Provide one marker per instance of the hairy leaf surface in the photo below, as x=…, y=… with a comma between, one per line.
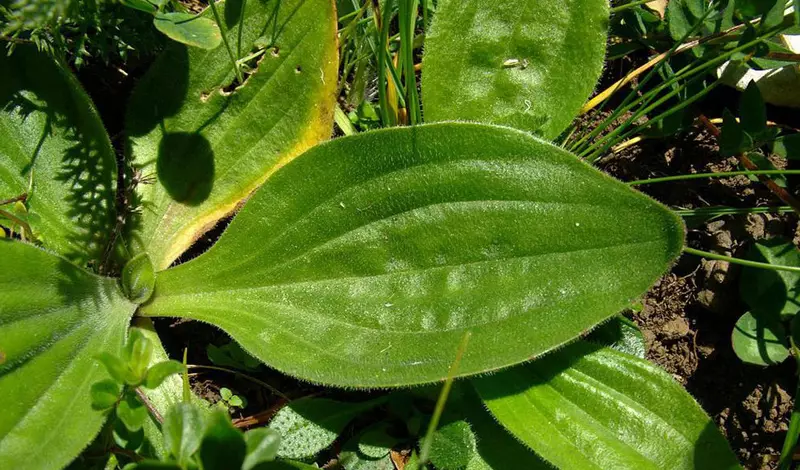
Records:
x=207, y=144
x=364, y=262
x=497, y=449
x=597, y=408
x=53, y=147
x=528, y=64
x=54, y=319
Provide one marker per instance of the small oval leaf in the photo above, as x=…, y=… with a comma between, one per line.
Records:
x=104, y=394
x=262, y=446
x=159, y=372
x=132, y=412
x=223, y=445
x=365, y=261
x=759, y=340
x=183, y=428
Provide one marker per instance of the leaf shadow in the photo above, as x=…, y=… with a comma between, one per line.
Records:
x=54, y=108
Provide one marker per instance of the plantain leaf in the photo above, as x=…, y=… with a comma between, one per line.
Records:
x=53, y=147
x=189, y=29
x=621, y=334
x=496, y=448
x=54, y=319
x=208, y=144
x=528, y=64
x=589, y=407
x=364, y=262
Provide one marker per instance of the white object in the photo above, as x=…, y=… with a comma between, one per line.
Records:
x=779, y=86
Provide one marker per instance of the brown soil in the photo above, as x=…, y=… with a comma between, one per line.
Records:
x=688, y=316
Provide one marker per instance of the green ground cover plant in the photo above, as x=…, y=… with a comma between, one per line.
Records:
x=455, y=246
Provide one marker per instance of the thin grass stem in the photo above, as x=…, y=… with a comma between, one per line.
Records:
x=425, y=449
x=242, y=375
x=221, y=25
x=718, y=211
x=627, y=6
x=720, y=174
x=740, y=261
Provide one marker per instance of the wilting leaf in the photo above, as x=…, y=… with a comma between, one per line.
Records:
x=208, y=144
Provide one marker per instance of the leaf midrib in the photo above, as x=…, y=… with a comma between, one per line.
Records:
x=210, y=291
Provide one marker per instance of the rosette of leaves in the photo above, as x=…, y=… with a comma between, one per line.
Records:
x=361, y=263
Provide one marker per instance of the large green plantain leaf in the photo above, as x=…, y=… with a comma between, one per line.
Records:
x=54, y=148
x=364, y=262
x=54, y=318
x=528, y=64
x=208, y=146
x=587, y=407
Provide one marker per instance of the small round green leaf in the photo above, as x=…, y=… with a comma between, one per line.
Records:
x=189, y=29
x=376, y=442
x=138, y=279
x=757, y=340
x=772, y=293
x=225, y=393
x=159, y=372
x=223, y=446
x=237, y=401
x=262, y=446
x=104, y=394
x=132, y=412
